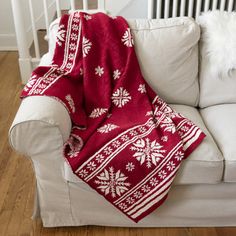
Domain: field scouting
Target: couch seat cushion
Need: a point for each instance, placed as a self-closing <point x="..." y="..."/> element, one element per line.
<point x="204" y="165"/>
<point x="220" y="120"/>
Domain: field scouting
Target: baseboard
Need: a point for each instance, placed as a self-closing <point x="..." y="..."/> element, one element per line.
<point x="8" y="42"/>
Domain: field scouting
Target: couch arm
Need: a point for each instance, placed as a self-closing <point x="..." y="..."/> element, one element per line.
<point x="39" y="122"/>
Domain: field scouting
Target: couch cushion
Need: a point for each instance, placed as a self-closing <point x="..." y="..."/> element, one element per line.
<point x="220" y="121"/>
<point x="204" y="165"/>
<point x="167" y="50"/>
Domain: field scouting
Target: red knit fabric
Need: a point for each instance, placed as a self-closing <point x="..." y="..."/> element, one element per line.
<point x="126" y="142"/>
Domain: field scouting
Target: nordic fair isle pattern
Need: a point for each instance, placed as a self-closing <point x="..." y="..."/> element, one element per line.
<point x="126" y="142"/>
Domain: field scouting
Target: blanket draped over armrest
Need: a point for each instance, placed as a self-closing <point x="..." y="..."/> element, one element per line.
<point x="126" y="142"/>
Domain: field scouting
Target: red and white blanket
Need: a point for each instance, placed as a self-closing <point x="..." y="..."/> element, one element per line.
<point x="126" y="142"/>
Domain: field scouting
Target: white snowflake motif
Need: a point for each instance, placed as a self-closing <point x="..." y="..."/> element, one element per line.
<point x="142" y="88"/>
<point x="170" y="166"/>
<point x="130" y="200"/>
<point x="76" y="19"/>
<point x="146" y="188"/>
<point x="99" y="71"/>
<point x="179" y="156"/>
<point x="69" y="65"/>
<point x="86" y="46"/>
<point x="107" y="128"/>
<point x="108" y="150"/>
<point x="72" y="153"/>
<point x="98" y="112"/>
<point x="122" y="206"/>
<point x="127" y="38"/>
<point x="116" y="144"/>
<point x="70" y="102"/>
<point x="130" y="166"/>
<point x="154" y="181"/>
<point x="138" y="194"/>
<point x="71" y="56"/>
<point x="81" y="72"/>
<point x="87" y="17"/>
<point x="149" y="151"/>
<point x="72" y="46"/>
<point x="184" y="128"/>
<point x="74" y="36"/>
<point x="142" y="129"/>
<point x="124" y="137"/>
<point x="111" y="182"/>
<point x="162" y="174"/>
<point x="116" y="74"/>
<point x="100" y="158"/>
<point x="133" y="133"/>
<point x="61" y="34"/>
<point x="91" y="166"/>
<point x="168" y="125"/>
<point x="164" y="138"/>
<point x="120" y="97"/>
<point x="83" y="173"/>
<point x="75" y="27"/>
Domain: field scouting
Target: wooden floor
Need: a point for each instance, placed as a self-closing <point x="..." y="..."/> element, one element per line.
<point x="17" y="179"/>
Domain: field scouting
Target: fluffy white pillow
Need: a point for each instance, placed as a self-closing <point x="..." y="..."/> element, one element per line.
<point x="219" y="41"/>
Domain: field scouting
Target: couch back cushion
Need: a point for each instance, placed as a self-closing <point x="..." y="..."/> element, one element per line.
<point x="167" y="50"/>
<point x="218" y="58"/>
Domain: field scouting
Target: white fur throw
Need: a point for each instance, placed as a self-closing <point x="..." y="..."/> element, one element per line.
<point x="218" y="41"/>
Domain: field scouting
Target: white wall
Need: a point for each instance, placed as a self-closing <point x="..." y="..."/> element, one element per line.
<point x="7" y="32"/>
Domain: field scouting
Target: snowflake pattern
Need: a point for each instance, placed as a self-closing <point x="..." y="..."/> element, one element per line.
<point x="99" y="71"/>
<point x="154" y="181"/>
<point x="120" y="97"/>
<point x="170" y="166"/>
<point x="81" y="72"/>
<point x="98" y="112"/>
<point x="86" y="46"/>
<point x="146" y="188"/>
<point x="111" y="182"/>
<point x="100" y="158"/>
<point x="130" y="166"/>
<point x="162" y="174"/>
<point x="107" y="128"/>
<point x="142" y="88"/>
<point x="179" y="155"/>
<point x="91" y="166"/>
<point x="87" y="17"/>
<point x="83" y="173"/>
<point x="130" y="200"/>
<point x="127" y="38"/>
<point x="61" y="34"/>
<point x="138" y="194"/>
<point x="116" y="74"/>
<point x="164" y="138"/>
<point x="168" y="125"/>
<point x="116" y="144"/>
<point x="147" y="151"/>
<point x="108" y="150"/>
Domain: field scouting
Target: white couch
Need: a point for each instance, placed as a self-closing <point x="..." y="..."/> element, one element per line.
<point x="204" y="191"/>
